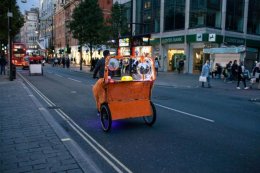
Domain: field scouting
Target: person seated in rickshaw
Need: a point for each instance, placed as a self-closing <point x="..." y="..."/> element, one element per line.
<point x="98" y="88"/>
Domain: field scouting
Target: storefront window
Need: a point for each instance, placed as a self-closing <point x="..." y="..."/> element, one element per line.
<point x="174" y="14"/>
<point x="147" y="16"/>
<point x="205" y="13"/>
<point x="197" y="60"/>
<point x="253" y="24"/>
<point x="172" y="58"/>
<point x="235" y="15"/>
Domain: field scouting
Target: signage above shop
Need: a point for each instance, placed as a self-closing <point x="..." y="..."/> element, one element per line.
<point x="234" y="40"/>
<point x="224" y="50"/>
<point x="212" y="37"/>
<point x="141" y="41"/>
<point x="124" y="42"/>
<point x="199" y="37"/>
<point x="177" y="39"/>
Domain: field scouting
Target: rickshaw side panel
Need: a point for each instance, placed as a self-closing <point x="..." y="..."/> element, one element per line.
<point x="130" y="109"/>
<point x="128" y="91"/>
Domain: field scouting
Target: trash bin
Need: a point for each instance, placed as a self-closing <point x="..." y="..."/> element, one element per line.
<point x="13" y="71"/>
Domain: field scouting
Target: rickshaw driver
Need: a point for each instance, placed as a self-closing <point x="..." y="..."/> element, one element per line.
<point x="98" y="88"/>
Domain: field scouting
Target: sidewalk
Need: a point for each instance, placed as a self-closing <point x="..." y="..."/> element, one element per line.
<point x="30" y="139"/>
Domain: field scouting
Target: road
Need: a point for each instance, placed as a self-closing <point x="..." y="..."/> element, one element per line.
<point x="197" y="129"/>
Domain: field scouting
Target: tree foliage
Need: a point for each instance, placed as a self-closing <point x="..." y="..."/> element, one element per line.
<point x="118" y="21"/>
<point x="17" y="19"/>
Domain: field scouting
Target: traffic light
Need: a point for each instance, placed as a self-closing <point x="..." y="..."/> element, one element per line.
<point x="79" y="49"/>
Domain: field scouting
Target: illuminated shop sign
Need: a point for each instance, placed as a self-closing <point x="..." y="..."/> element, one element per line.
<point x="124" y="42"/>
<point x="177" y="39"/>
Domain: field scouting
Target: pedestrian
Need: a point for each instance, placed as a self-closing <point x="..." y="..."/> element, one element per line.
<point x="157" y="65"/>
<point x="92" y="64"/>
<point x="219" y="70"/>
<point x="241" y="76"/>
<point x="3" y="63"/>
<point x="228" y="68"/>
<point x="67" y="62"/>
<point x="205" y="72"/>
<point x="181" y="65"/>
<point x="63" y="61"/>
<point x="256" y="71"/>
<point x="100" y="66"/>
<point x="234" y="71"/>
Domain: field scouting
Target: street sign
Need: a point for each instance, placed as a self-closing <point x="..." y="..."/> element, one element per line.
<point x="199" y="37"/>
<point x="9" y="14"/>
<point x="212" y="37"/>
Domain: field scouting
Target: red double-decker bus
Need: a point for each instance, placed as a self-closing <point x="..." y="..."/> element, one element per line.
<point x="18" y="53"/>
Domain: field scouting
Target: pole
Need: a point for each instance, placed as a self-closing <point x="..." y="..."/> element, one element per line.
<point x="9" y="15"/>
<point x="131" y="38"/>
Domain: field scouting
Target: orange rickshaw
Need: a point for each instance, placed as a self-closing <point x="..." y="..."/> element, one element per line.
<point x="127" y="95"/>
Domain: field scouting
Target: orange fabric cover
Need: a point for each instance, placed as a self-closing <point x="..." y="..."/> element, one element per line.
<point x="99" y="93"/>
<point x="129" y="90"/>
<point x="131" y="109"/>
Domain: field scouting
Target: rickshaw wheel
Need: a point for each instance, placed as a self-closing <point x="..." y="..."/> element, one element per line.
<point x="150" y="120"/>
<point x="105" y="117"/>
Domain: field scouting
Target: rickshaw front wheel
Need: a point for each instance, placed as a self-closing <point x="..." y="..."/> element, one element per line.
<point x="150" y="120"/>
<point x="105" y="116"/>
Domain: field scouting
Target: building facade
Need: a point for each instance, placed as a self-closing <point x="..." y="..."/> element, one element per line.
<point x="182" y="29"/>
<point x="46" y="24"/>
<point x="29" y="32"/>
<point x="63" y="38"/>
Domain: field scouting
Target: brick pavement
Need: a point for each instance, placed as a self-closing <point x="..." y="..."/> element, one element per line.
<point x="28" y="141"/>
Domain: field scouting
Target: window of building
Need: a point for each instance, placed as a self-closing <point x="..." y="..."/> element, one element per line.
<point x="205" y="13"/>
<point x="147" y="16"/>
<point x="235" y="15"/>
<point x="253" y="24"/>
<point x="147" y="4"/>
<point x="174" y="15"/>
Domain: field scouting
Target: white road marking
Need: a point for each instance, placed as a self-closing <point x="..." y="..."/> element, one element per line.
<point x="65" y="139"/>
<point x="192" y="115"/>
<point x="74" y="79"/>
<point x="73" y="92"/>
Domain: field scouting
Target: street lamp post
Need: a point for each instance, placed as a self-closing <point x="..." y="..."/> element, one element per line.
<point x="10" y="45"/>
<point x="9" y="16"/>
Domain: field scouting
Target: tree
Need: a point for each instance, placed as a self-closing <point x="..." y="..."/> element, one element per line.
<point x="118" y="21"/>
<point x="17" y="19"/>
<point x="87" y="25"/>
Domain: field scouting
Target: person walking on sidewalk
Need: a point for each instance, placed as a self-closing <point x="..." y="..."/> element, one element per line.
<point x="205" y="72"/>
<point x="3" y="63"/>
<point x="234" y="71"/>
<point x="240" y="76"/>
<point x="157" y="65"/>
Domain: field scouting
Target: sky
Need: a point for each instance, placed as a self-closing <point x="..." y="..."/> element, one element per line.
<point x="27" y="6"/>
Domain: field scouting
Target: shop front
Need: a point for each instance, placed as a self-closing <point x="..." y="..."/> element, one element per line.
<point x="196" y="43"/>
<point x="175" y="52"/>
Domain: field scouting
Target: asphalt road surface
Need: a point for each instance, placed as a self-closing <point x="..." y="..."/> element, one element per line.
<point x="197" y="130"/>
